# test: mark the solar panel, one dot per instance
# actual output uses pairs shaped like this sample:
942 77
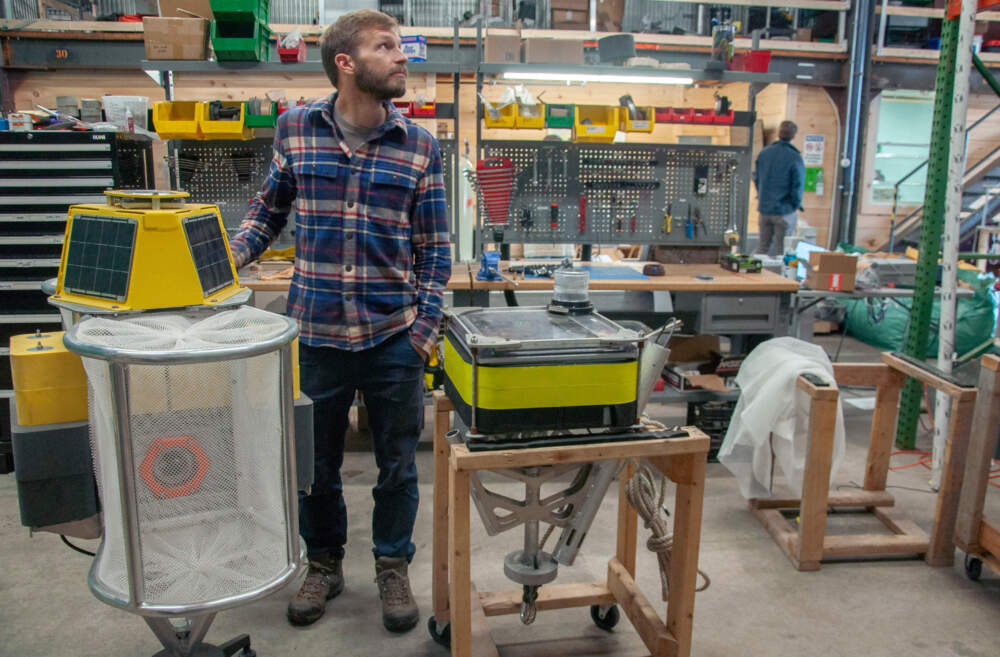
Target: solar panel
100 256
210 252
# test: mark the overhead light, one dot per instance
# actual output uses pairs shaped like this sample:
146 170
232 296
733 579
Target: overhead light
596 77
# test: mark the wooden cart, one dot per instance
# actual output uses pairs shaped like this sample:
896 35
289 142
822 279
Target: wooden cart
456 602
979 539
808 545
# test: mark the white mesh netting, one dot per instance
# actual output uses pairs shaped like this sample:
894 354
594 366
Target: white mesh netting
208 453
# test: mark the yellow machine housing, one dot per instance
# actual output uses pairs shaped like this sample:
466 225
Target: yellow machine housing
145 250
526 369
50 386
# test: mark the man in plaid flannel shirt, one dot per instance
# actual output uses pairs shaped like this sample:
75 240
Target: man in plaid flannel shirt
372 258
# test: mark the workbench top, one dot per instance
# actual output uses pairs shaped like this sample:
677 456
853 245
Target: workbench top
677 278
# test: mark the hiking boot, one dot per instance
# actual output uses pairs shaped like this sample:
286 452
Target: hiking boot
324 581
399 609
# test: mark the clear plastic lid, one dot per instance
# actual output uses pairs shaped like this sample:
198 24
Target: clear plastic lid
526 324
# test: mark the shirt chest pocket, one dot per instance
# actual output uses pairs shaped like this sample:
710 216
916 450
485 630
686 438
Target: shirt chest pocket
321 188
390 197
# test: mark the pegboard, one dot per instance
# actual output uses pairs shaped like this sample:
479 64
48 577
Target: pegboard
625 191
230 173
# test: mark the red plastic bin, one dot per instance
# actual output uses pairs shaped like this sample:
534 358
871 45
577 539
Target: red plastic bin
682 115
427 110
403 107
703 116
727 118
752 61
292 55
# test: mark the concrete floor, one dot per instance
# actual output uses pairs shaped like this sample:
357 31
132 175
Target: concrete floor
757 605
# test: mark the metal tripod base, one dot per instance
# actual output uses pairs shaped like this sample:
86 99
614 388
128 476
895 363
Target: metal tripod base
187 642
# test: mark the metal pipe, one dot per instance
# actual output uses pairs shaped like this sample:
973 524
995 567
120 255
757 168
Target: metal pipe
125 464
883 20
287 409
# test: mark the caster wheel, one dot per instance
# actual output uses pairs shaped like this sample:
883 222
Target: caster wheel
608 621
973 567
442 637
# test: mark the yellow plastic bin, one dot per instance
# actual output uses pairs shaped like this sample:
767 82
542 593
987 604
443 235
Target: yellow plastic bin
645 124
530 117
595 123
225 128
176 119
507 118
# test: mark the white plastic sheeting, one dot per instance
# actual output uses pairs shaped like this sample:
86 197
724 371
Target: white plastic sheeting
771 419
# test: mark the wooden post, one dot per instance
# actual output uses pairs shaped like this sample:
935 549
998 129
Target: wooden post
458 562
628 523
941 551
684 556
982 443
439 546
883 431
816 478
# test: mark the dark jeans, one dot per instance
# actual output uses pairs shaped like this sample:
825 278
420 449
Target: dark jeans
390 376
772 229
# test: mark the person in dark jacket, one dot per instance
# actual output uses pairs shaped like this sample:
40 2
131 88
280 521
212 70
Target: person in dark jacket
779 176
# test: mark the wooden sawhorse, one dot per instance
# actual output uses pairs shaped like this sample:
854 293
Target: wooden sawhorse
455 599
808 545
979 539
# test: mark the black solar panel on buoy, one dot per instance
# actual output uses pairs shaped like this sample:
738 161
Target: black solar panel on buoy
209 251
100 256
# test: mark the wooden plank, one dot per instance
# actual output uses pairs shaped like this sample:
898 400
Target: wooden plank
883 431
941 551
439 531
860 374
786 536
853 498
898 523
640 612
989 538
460 587
816 478
550 596
821 5
817 393
920 374
675 469
481 643
688 502
462 459
628 523
872 545
982 443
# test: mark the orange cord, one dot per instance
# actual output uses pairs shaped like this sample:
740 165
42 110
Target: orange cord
925 460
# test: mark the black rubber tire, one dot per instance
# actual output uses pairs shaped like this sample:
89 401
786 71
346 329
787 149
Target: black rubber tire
610 619
973 567
442 638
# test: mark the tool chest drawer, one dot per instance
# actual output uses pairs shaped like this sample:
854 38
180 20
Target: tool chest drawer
739 313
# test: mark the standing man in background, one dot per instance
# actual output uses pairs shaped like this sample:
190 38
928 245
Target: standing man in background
779 176
372 258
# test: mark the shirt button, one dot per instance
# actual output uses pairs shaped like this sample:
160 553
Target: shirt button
350 236
350 204
348 298
348 268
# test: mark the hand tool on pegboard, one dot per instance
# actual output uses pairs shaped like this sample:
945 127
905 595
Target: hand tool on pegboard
494 181
583 213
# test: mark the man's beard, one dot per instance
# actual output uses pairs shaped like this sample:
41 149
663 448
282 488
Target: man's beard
385 88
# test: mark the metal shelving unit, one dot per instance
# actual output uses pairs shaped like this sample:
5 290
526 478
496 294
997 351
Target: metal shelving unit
41 175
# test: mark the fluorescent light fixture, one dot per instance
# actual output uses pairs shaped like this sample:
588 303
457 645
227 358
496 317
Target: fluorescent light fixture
596 77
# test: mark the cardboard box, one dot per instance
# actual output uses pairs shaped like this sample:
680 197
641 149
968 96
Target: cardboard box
685 376
553 51
502 48
574 19
176 38
172 8
571 5
804 34
415 47
831 271
610 14
693 348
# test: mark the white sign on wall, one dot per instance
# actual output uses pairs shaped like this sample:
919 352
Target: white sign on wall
814 146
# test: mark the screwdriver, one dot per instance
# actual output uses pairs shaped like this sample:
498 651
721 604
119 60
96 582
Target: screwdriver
583 212
554 215
668 219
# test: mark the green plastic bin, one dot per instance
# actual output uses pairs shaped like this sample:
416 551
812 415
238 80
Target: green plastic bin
241 42
241 11
558 116
261 120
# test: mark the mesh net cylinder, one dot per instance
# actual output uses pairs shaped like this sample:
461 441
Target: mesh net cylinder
190 429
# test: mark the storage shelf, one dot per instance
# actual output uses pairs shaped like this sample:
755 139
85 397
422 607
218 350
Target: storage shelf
308 66
699 75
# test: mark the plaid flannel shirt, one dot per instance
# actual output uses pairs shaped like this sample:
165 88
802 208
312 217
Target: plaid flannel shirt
372 255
